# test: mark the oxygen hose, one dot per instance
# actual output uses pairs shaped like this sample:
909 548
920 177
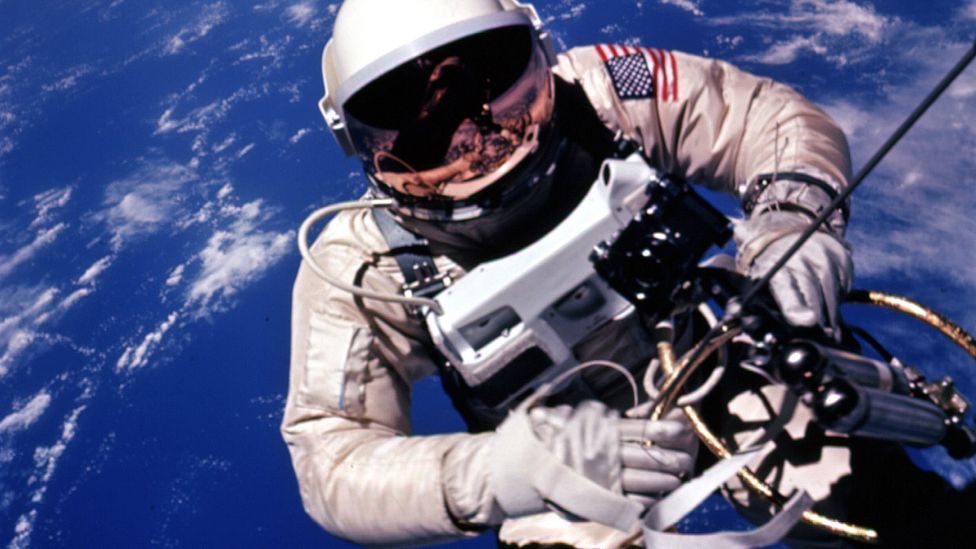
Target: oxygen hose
322 273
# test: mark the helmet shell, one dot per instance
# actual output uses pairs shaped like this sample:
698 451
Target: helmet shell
373 37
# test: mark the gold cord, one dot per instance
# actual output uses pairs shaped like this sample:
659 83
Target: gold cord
679 374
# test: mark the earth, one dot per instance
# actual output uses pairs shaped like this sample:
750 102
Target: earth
157 157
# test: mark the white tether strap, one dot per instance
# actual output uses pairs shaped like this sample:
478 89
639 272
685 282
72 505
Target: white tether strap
518 450
679 503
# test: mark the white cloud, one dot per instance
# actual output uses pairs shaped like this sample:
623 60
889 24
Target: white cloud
202 215
964 87
23 530
145 201
245 150
691 6
26 415
225 191
969 10
833 17
202 119
267 6
44 299
913 219
73 298
299 135
273 51
46 459
730 42
15 102
233 258
175 276
47 202
841 31
293 90
69 80
113 5
43 239
22 309
211 16
23 313
198 119
96 269
223 145
784 52
236 257
137 356
166 124
16 343
301 13
566 10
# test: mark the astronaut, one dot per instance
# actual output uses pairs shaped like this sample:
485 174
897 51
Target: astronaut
484 139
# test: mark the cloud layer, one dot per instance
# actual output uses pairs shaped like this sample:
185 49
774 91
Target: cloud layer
27 415
210 17
839 30
145 202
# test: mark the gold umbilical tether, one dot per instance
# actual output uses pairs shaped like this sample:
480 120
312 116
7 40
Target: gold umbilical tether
678 373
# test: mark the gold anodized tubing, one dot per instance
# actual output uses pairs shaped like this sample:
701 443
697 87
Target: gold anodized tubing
677 376
918 311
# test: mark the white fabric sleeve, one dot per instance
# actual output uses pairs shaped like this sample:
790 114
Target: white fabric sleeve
361 475
715 124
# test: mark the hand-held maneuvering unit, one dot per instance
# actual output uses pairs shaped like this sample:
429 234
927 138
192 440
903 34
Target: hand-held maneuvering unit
854 394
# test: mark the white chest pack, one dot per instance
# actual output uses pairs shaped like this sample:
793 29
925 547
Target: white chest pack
510 325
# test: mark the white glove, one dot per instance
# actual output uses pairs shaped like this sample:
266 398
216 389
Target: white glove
642 459
656 456
809 287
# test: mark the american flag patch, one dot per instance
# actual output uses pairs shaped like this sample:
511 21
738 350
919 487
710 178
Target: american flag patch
641 73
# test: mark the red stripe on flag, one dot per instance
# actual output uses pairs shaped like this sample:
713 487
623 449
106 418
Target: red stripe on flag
674 75
667 76
602 52
613 50
628 50
658 72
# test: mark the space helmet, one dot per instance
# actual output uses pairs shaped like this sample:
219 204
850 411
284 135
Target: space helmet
445 102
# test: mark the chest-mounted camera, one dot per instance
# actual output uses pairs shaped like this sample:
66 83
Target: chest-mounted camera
653 259
511 324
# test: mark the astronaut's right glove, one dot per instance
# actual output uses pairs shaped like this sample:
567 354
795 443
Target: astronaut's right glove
810 287
581 461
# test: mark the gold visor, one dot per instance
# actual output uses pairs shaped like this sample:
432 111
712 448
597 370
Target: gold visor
449 124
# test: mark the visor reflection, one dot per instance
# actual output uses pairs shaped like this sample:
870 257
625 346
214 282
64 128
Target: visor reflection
464 119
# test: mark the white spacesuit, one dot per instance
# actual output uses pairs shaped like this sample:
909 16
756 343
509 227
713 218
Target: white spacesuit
484 139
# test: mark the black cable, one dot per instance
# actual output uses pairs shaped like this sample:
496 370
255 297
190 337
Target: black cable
875 160
737 314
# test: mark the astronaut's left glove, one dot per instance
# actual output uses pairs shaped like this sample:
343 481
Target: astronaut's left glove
809 288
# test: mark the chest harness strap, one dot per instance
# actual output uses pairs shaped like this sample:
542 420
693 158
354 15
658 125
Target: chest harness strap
412 254
422 279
